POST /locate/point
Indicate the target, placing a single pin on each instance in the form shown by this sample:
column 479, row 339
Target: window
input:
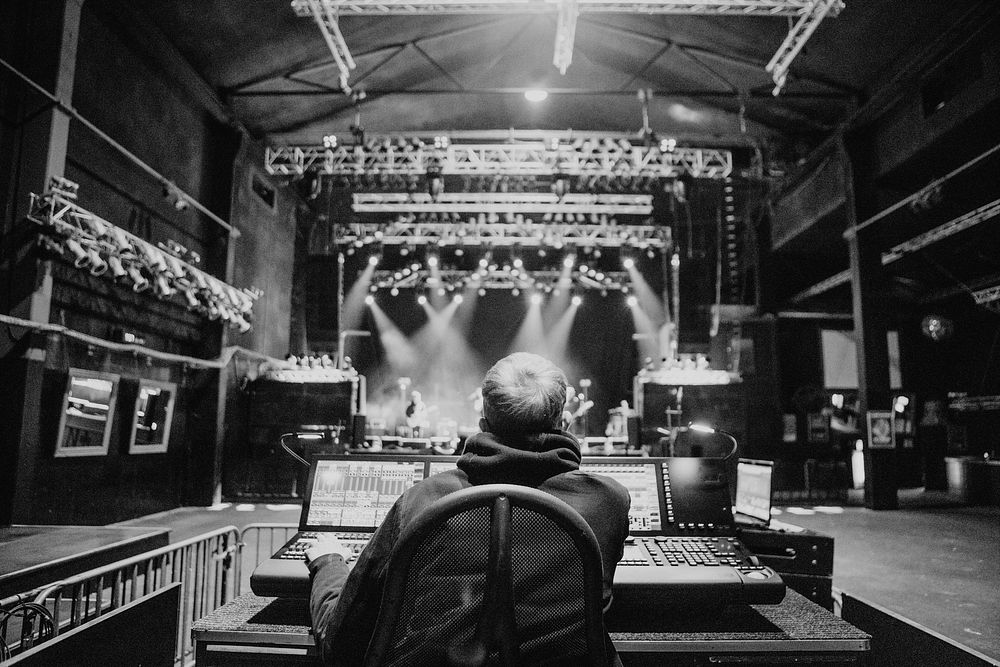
column 154, row 410
column 88, row 410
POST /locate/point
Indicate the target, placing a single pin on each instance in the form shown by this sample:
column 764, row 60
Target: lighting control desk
column 253, row 630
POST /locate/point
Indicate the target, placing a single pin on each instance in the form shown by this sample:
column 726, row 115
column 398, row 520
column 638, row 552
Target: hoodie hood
column 527, row 459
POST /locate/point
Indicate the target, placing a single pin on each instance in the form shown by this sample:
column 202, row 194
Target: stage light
column 632, row 301
column 576, row 300
column 515, row 292
column 483, row 262
column 584, row 268
column 518, row 262
column 569, row 260
column 373, row 260
column 675, row 261
column 482, row 291
column 441, row 291
column 394, row 291
column 628, row 263
column 422, row 299
column 458, row 298
column 404, row 250
column 370, row 299
column 536, row 95
column 536, row 299
column 432, row 260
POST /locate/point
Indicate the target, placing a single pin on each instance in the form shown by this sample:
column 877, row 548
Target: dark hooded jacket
column 345, row 603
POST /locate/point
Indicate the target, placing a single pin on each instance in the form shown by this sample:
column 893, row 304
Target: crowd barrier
column 205, row 566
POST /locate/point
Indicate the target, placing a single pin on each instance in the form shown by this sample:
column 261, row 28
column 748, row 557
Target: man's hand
column 327, row 543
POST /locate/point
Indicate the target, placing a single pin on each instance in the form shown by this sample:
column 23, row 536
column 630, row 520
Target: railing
column 203, row 565
column 257, row 542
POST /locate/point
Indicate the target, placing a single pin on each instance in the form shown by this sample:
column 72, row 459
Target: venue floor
column 932, row 561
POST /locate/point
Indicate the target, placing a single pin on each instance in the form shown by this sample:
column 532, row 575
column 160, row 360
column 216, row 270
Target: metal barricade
column 204, row 565
column 257, row 542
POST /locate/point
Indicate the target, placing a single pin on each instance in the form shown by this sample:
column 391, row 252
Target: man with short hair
column 523, row 398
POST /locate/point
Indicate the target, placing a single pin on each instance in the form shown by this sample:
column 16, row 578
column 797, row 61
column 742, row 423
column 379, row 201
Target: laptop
column 753, row 493
column 348, row 496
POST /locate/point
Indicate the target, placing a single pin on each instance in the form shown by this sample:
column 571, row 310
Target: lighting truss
column 809, row 13
column 595, row 157
column 527, row 234
column 988, row 295
column 498, row 278
column 502, row 202
column 796, row 39
column 898, row 251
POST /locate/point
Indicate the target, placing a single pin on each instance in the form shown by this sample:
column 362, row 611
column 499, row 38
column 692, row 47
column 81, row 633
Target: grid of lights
column 498, row 277
column 502, row 202
column 594, row 155
column 603, row 233
column 94, row 244
column 809, row 13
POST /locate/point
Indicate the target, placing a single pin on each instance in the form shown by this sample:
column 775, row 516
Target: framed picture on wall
column 88, row 410
column 154, row 410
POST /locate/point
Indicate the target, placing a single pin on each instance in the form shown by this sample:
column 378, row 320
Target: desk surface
column 795, row 625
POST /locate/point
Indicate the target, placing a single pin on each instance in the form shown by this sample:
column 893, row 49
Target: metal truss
column 498, row 278
column 502, row 202
column 809, row 13
column 412, row 7
column 898, row 251
column 527, row 234
column 988, row 295
column 587, row 158
column 797, row 37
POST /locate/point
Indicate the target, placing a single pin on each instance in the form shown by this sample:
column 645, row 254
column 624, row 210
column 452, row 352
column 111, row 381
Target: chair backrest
column 495, row 574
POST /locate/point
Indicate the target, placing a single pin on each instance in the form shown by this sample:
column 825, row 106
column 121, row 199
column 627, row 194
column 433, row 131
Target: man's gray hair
column 524, row 393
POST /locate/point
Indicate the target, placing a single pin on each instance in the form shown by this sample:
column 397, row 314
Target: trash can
column 968, row 478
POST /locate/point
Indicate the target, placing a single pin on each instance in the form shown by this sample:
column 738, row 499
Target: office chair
column 495, row 574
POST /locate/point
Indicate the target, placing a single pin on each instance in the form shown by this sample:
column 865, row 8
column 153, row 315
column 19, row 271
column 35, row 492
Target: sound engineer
column 523, row 398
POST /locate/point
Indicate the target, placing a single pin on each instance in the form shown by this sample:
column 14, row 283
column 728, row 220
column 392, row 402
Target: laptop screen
column 753, row 489
column 357, row 494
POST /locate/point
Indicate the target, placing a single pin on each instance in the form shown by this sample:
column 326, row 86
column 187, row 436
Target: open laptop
column 753, row 493
column 348, row 496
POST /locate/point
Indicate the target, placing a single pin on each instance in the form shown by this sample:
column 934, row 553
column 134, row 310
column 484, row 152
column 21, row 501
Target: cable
column 287, row 449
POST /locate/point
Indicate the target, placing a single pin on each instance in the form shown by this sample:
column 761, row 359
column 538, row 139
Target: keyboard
column 296, row 549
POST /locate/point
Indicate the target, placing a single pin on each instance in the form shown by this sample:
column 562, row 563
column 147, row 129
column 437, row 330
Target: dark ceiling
column 468, row 72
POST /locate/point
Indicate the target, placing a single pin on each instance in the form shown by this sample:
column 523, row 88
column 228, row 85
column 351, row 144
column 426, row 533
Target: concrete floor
column 937, row 566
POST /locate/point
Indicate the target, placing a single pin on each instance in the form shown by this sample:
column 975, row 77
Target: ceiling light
column 536, row 94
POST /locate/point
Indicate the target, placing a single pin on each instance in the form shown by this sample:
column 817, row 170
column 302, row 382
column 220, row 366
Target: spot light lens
column 457, row 298
column 536, row 95
column 568, row 261
column 576, row 300
column 370, row 299
column 632, row 301
column 422, row 299
column 628, row 262
column 536, row 299
column 394, row 291
column 373, row 260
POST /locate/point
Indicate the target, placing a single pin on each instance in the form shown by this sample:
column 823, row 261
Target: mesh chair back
column 493, row 575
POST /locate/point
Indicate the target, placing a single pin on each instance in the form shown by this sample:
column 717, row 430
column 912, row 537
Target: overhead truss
column 919, row 242
column 503, row 202
column 547, row 280
column 540, row 158
column 809, row 14
column 498, row 234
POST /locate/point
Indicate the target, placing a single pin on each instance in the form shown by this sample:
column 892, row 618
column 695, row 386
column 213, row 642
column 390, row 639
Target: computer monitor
column 753, row 492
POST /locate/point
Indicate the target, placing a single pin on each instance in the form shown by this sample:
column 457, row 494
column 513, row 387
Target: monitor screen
column 753, row 489
column 358, row 493
column 640, row 480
